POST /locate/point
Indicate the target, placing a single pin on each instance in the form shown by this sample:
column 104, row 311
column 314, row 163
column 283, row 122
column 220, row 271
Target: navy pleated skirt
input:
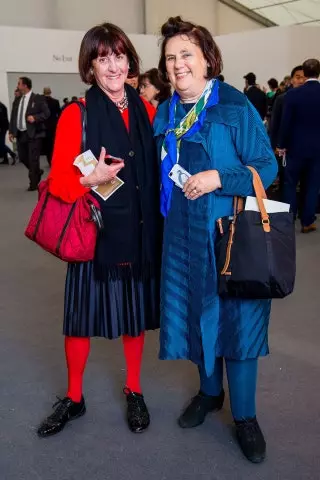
column 95, row 308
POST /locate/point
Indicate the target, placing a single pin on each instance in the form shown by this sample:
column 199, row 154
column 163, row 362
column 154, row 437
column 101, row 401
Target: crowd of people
column 183, row 112
column 290, row 113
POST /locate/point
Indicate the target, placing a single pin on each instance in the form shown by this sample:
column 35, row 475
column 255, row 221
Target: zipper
column 40, row 216
column 65, row 228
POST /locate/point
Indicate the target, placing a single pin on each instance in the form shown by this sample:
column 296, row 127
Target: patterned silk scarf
column 187, row 127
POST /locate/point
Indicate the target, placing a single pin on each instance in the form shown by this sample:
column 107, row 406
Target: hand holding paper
column 102, row 178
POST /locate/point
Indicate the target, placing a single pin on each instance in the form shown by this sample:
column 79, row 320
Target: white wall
column 231, row 21
column 54, row 51
column 73, row 14
column 134, row 16
column 270, row 52
column 305, row 43
column 202, row 12
column 267, row 52
column 76, row 15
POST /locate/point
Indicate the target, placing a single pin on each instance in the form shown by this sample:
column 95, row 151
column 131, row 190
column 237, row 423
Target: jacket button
column 141, row 222
column 137, row 187
column 131, row 153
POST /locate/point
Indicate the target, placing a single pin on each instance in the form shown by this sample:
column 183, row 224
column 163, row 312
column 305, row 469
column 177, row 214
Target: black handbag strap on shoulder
column 83, row 112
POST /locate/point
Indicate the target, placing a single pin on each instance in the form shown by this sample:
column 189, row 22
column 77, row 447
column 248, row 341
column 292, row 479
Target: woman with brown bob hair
column 117, row 293
column 152, row 88
column 208, row 133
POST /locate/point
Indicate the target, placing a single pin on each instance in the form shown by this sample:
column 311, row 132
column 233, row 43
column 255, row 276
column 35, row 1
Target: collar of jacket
column 231, row 101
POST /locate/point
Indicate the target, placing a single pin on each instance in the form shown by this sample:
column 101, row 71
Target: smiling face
column 186, row 66
column 111, row 71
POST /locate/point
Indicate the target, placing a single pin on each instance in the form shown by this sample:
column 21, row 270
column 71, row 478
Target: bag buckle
column 266, row 225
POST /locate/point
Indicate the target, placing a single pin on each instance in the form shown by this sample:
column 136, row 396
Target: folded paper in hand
column 270, row 205
column 86, row 162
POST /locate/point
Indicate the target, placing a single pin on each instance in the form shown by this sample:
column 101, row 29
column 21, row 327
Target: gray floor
column 99, row 446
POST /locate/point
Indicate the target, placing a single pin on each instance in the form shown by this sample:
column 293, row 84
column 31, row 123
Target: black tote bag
column 255, row 251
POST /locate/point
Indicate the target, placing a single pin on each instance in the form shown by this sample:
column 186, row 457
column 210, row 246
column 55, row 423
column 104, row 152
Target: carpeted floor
column 99, row 445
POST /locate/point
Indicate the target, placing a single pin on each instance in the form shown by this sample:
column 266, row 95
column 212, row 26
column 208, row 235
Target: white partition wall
column 270, row 52
column 201, row 12
column 53, row 52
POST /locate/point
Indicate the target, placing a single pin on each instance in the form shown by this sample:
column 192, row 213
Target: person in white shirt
column 28, row 115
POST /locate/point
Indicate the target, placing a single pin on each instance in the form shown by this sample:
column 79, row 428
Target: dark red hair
column 102, row 40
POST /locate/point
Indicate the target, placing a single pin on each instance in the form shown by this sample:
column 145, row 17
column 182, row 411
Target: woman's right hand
column 102, row 173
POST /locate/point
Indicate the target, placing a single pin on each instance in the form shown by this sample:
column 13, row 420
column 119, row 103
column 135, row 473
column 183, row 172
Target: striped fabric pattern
column 196, row 324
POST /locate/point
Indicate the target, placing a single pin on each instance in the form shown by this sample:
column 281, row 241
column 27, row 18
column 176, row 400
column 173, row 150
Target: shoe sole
column 140, row 430
column 46, row 435
column 198, row 424
column 256, row 459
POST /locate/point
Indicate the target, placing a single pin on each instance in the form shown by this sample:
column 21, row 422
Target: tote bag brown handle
column 238, row 207
column 260, row 195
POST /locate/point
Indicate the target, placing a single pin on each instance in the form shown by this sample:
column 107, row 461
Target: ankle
column 132, row 388
column 75, row 397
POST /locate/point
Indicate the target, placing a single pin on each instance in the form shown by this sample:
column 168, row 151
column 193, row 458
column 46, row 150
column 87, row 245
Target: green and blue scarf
column 187, row 127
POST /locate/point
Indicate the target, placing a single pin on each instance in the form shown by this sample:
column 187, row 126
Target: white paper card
column 270, row 205
column 86, row 163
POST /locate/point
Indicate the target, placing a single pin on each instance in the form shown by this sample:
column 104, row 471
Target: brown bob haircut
column 100, row 41
column 154, row 78
column 200, row 36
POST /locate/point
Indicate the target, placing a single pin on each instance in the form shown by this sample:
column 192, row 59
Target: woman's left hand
column 201, row 183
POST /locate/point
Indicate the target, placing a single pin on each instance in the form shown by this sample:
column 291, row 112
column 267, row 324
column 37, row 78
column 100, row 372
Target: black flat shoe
column 137, row 412
column 251, row 439
column 66, row 410
column 199, row 407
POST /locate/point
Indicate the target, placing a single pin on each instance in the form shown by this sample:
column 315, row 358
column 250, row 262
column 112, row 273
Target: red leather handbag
column 67, row 230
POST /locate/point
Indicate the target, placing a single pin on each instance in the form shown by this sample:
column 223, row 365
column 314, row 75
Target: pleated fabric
column 94, row 308
column 196, row 324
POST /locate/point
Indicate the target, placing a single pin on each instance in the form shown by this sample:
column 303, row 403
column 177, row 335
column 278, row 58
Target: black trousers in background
column 29, row 150
column 48, row 144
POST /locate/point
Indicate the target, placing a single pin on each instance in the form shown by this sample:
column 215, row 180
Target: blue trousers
column 242, row 380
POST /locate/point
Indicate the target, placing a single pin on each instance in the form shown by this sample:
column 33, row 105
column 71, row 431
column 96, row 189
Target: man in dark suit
column 297, row 79
column 51, row 123
column 256, row 96
column 300, row 142
column 4, row 125
column 28, row 115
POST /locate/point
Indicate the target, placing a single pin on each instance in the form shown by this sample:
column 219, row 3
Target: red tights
column 77, row 352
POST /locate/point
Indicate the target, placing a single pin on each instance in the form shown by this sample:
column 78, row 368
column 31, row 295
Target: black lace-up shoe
column 137, row 412
column 251, row 439
column 199, row 407
column 65, row 411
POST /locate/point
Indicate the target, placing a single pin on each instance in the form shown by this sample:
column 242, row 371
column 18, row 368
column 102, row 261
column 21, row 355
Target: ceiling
column 286, row 12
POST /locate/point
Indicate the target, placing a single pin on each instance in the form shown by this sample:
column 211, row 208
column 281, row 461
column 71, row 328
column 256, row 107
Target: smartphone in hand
column 109, row 159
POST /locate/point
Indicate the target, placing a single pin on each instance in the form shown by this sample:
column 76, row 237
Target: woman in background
column 152, row 88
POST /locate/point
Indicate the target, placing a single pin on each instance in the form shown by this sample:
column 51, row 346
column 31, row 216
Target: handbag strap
column 83, row 112
column 260, row 195
column 238, row 206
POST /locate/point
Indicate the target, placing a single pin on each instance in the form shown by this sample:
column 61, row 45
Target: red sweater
column 64, row 178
